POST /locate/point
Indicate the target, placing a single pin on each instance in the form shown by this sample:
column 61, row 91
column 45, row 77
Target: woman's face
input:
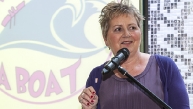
column 123, row 33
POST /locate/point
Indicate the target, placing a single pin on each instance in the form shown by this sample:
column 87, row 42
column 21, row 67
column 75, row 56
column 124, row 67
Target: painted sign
column 47, row 50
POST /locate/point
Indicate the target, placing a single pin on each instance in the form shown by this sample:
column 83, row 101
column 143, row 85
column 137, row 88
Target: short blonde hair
column 114, row 9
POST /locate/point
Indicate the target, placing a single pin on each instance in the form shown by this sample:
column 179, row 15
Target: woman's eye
column 118, row 29
column 132, row 28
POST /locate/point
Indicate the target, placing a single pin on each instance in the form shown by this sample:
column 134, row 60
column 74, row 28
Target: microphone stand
column 153, row 97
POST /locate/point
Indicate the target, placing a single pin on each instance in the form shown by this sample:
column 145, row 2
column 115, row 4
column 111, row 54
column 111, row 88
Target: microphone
column 121, row 55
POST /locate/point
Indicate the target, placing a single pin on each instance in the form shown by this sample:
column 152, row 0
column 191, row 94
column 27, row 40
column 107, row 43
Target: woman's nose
column 126, row 33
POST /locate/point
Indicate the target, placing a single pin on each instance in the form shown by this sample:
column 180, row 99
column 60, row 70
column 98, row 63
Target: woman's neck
column 133, row 65
column 132, row 59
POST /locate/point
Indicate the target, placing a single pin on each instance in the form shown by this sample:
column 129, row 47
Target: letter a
column 53, row 85
column 3, row 78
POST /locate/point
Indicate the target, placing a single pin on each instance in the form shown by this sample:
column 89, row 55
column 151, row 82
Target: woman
column 121, row 28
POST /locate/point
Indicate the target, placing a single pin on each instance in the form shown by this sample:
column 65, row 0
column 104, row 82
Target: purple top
column 174, row 90
column 119, row 93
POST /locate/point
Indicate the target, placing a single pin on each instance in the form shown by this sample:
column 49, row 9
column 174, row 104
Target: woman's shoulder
column 163, row 59
column 147, row 56
column 97, row 70
column 159, row 58
column 99, row 67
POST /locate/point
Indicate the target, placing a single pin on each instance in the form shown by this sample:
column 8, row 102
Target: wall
column 170, row 24
column 47, row 50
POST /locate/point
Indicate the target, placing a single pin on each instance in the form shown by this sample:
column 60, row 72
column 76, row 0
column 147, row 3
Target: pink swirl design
column 12, row 13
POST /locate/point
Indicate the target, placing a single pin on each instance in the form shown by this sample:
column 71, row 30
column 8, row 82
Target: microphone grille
column 125, row 51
